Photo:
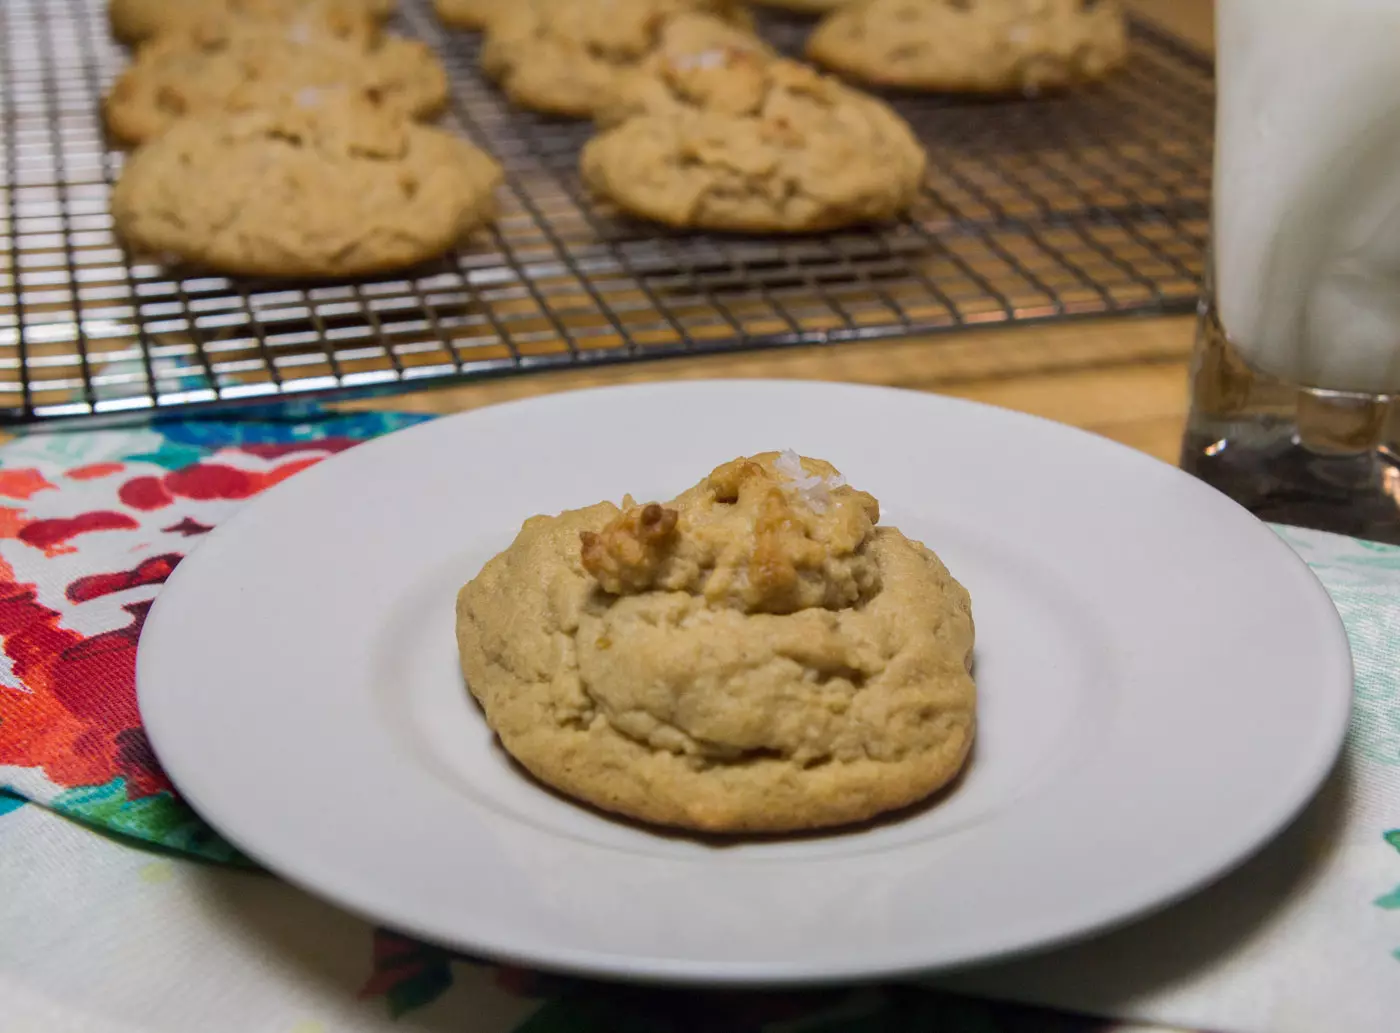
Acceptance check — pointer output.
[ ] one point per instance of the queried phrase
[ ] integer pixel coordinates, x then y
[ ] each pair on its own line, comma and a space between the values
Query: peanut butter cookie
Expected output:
135, 20
320, 188
754, 656
753, 145
561, 57
713, 58
230, 65
973, 46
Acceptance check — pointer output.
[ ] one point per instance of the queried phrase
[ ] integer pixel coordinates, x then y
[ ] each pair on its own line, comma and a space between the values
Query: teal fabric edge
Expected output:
160, 822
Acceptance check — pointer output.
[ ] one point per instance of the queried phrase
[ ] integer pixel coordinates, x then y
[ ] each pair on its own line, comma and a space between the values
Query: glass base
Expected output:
1292, 455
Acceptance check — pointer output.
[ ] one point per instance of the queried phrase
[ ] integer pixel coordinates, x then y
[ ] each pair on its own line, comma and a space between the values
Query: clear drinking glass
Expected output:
1296, 372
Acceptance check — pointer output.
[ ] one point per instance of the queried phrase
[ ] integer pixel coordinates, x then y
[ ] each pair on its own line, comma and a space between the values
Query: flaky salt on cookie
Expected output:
756, 655
734, 140
561, 57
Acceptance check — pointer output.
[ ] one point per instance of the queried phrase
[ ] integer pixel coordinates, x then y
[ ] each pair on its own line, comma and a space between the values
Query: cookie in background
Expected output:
323, 187
711, 56
135, 20
561, 57
227, 64
748, 144
973, 46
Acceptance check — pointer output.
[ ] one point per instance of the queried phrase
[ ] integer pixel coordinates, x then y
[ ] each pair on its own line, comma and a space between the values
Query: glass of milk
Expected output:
1297, 363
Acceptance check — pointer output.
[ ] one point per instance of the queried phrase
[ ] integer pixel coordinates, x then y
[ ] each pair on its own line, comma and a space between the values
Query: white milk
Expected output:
1307, 189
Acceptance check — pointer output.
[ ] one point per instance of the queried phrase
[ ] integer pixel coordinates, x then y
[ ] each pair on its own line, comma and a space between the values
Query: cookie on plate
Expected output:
135, 20
973, 46
716, 58
324, 188
753, 656
468, 14
231, 65
560, 57
755, 145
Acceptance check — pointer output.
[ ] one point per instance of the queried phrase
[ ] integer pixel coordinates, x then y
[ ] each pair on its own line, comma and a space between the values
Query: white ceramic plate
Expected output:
1162, 686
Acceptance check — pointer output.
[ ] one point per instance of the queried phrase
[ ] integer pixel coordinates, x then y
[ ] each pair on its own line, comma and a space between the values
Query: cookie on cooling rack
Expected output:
468, 14
231, 65
329, 189
773, 148
973, 46
696, 56
135, 20
561, 57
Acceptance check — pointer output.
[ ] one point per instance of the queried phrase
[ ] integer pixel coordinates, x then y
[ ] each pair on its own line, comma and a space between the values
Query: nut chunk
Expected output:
627, 553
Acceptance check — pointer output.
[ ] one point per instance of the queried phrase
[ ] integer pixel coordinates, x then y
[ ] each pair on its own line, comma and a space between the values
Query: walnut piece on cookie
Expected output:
561, 57
135, 20
772, 147
755, 655
320, 187
973, 46
228, 65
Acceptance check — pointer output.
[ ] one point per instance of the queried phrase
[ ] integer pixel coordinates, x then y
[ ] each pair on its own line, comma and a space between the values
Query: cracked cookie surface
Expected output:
756, 655
561, 57
972, 46
743, 143
135, 20
333, 189
228, 65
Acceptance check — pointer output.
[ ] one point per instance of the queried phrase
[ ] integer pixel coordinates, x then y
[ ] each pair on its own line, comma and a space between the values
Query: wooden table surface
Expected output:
1123, 378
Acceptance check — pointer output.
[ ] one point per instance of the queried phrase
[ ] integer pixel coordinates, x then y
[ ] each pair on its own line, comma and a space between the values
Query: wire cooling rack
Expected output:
1092, 203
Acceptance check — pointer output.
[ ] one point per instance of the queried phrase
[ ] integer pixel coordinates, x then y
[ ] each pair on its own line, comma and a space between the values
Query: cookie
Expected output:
754, 656
135, 20
331, 189
756, 146
973, 46
713, 55
560, 57
231, 65
468, 14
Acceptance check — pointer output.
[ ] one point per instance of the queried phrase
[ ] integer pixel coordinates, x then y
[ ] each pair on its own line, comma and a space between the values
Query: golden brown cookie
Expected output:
468, 14
329, 189
231, 65
561, 57
715, 58
754, 656
757, 146
135, 20
973, 46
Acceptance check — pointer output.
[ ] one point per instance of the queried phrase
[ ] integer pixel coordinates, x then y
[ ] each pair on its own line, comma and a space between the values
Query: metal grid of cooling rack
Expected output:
1093, 203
